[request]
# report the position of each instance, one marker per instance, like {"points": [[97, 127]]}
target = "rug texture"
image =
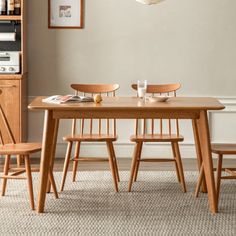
{"points": [[89, 206]]}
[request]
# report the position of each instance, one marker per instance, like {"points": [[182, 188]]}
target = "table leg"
{"points": [[198, 152], [47, 150], [204, 135], [53, 151]]}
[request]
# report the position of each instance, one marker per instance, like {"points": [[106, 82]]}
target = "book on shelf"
{"points": [[60, 99]]}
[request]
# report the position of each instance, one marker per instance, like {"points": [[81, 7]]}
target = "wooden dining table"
{"points": [[193, 108]]}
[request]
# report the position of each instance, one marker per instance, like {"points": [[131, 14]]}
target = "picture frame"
{"points": [[65, 14]]}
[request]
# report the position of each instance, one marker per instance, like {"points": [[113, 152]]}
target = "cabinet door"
{"points": [[10, 101]]}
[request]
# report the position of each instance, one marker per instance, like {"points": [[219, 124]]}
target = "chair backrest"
{"points": [[158, 126], [95, 126], [5, 129]]}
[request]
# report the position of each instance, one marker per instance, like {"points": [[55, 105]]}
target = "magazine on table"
{"points": [[60, 99]]}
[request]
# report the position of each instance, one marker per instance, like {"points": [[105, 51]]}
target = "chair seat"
{"points": [[223, 148], [156, 138], [91, 137], [20, 148]]}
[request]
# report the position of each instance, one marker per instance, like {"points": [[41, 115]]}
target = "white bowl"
{"points": [[158, 99]]}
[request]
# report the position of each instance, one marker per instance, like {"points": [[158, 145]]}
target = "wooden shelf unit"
{"points": [[13, 87]]}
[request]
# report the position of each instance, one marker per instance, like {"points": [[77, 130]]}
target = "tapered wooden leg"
{"points": [[53, 151], [133, 165], [115, 162], [29, 179], [204, 134], [5, 172], [199, 153], [138, 162], [218, 176], [136, 170], [112, 166], [66, 164], [176, 166], [53, 184], [74, 170], [19, 160], [46, 154], [180, 166], [199, 182], [75, 163]]}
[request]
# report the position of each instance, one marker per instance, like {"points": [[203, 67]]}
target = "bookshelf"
{"points": [[13, 87]]}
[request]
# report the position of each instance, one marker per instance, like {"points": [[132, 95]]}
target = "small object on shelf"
{"points": [[3, 8], [9, 62], [8, 36], [10, 7], [97, 98], [17, 7], [60, 99]]}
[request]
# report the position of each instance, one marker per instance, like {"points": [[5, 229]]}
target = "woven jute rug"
{"points": [[89, 206]]}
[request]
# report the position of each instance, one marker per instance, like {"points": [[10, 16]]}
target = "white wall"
{"points": [[186, 41]]}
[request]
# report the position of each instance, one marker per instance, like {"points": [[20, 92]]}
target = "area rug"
{"points": [[89, 206]]}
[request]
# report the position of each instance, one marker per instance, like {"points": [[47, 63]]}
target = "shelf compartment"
{"points": [[11, 17]]}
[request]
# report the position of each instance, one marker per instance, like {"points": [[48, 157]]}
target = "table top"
{"points": [[132, 103]]}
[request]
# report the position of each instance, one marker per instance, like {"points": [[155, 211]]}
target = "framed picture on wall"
{"points": [[65, 14]]}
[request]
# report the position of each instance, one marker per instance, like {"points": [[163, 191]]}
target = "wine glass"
{"points": [[142, 88]]}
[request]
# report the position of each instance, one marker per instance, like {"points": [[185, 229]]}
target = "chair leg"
{"points": [[176, 167], [53, 184], [218, 176], [29, 179], [112, 166], [133, 165], [19, 160], [5, 172], [66, 164], [74, 170], [180, 166], [138, 162], [115, 162], [75, 163], [199, 182]]}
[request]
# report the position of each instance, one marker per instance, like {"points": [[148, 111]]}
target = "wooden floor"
{"points": [[124, 164]]}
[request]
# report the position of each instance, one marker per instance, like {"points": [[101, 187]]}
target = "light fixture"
{"points": [[149, 2]]}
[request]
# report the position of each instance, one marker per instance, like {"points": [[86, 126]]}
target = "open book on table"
{"points": [[60, 99]]}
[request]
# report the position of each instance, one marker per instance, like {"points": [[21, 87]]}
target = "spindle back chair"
{"points": [[92, 130], [24, 150], [171, 126], [220, 150], [91, 90], [157, 130]]}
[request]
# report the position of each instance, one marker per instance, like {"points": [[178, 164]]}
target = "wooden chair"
{"points": [[220, 150], [22, 150], [92, 130], [152, 135]]}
